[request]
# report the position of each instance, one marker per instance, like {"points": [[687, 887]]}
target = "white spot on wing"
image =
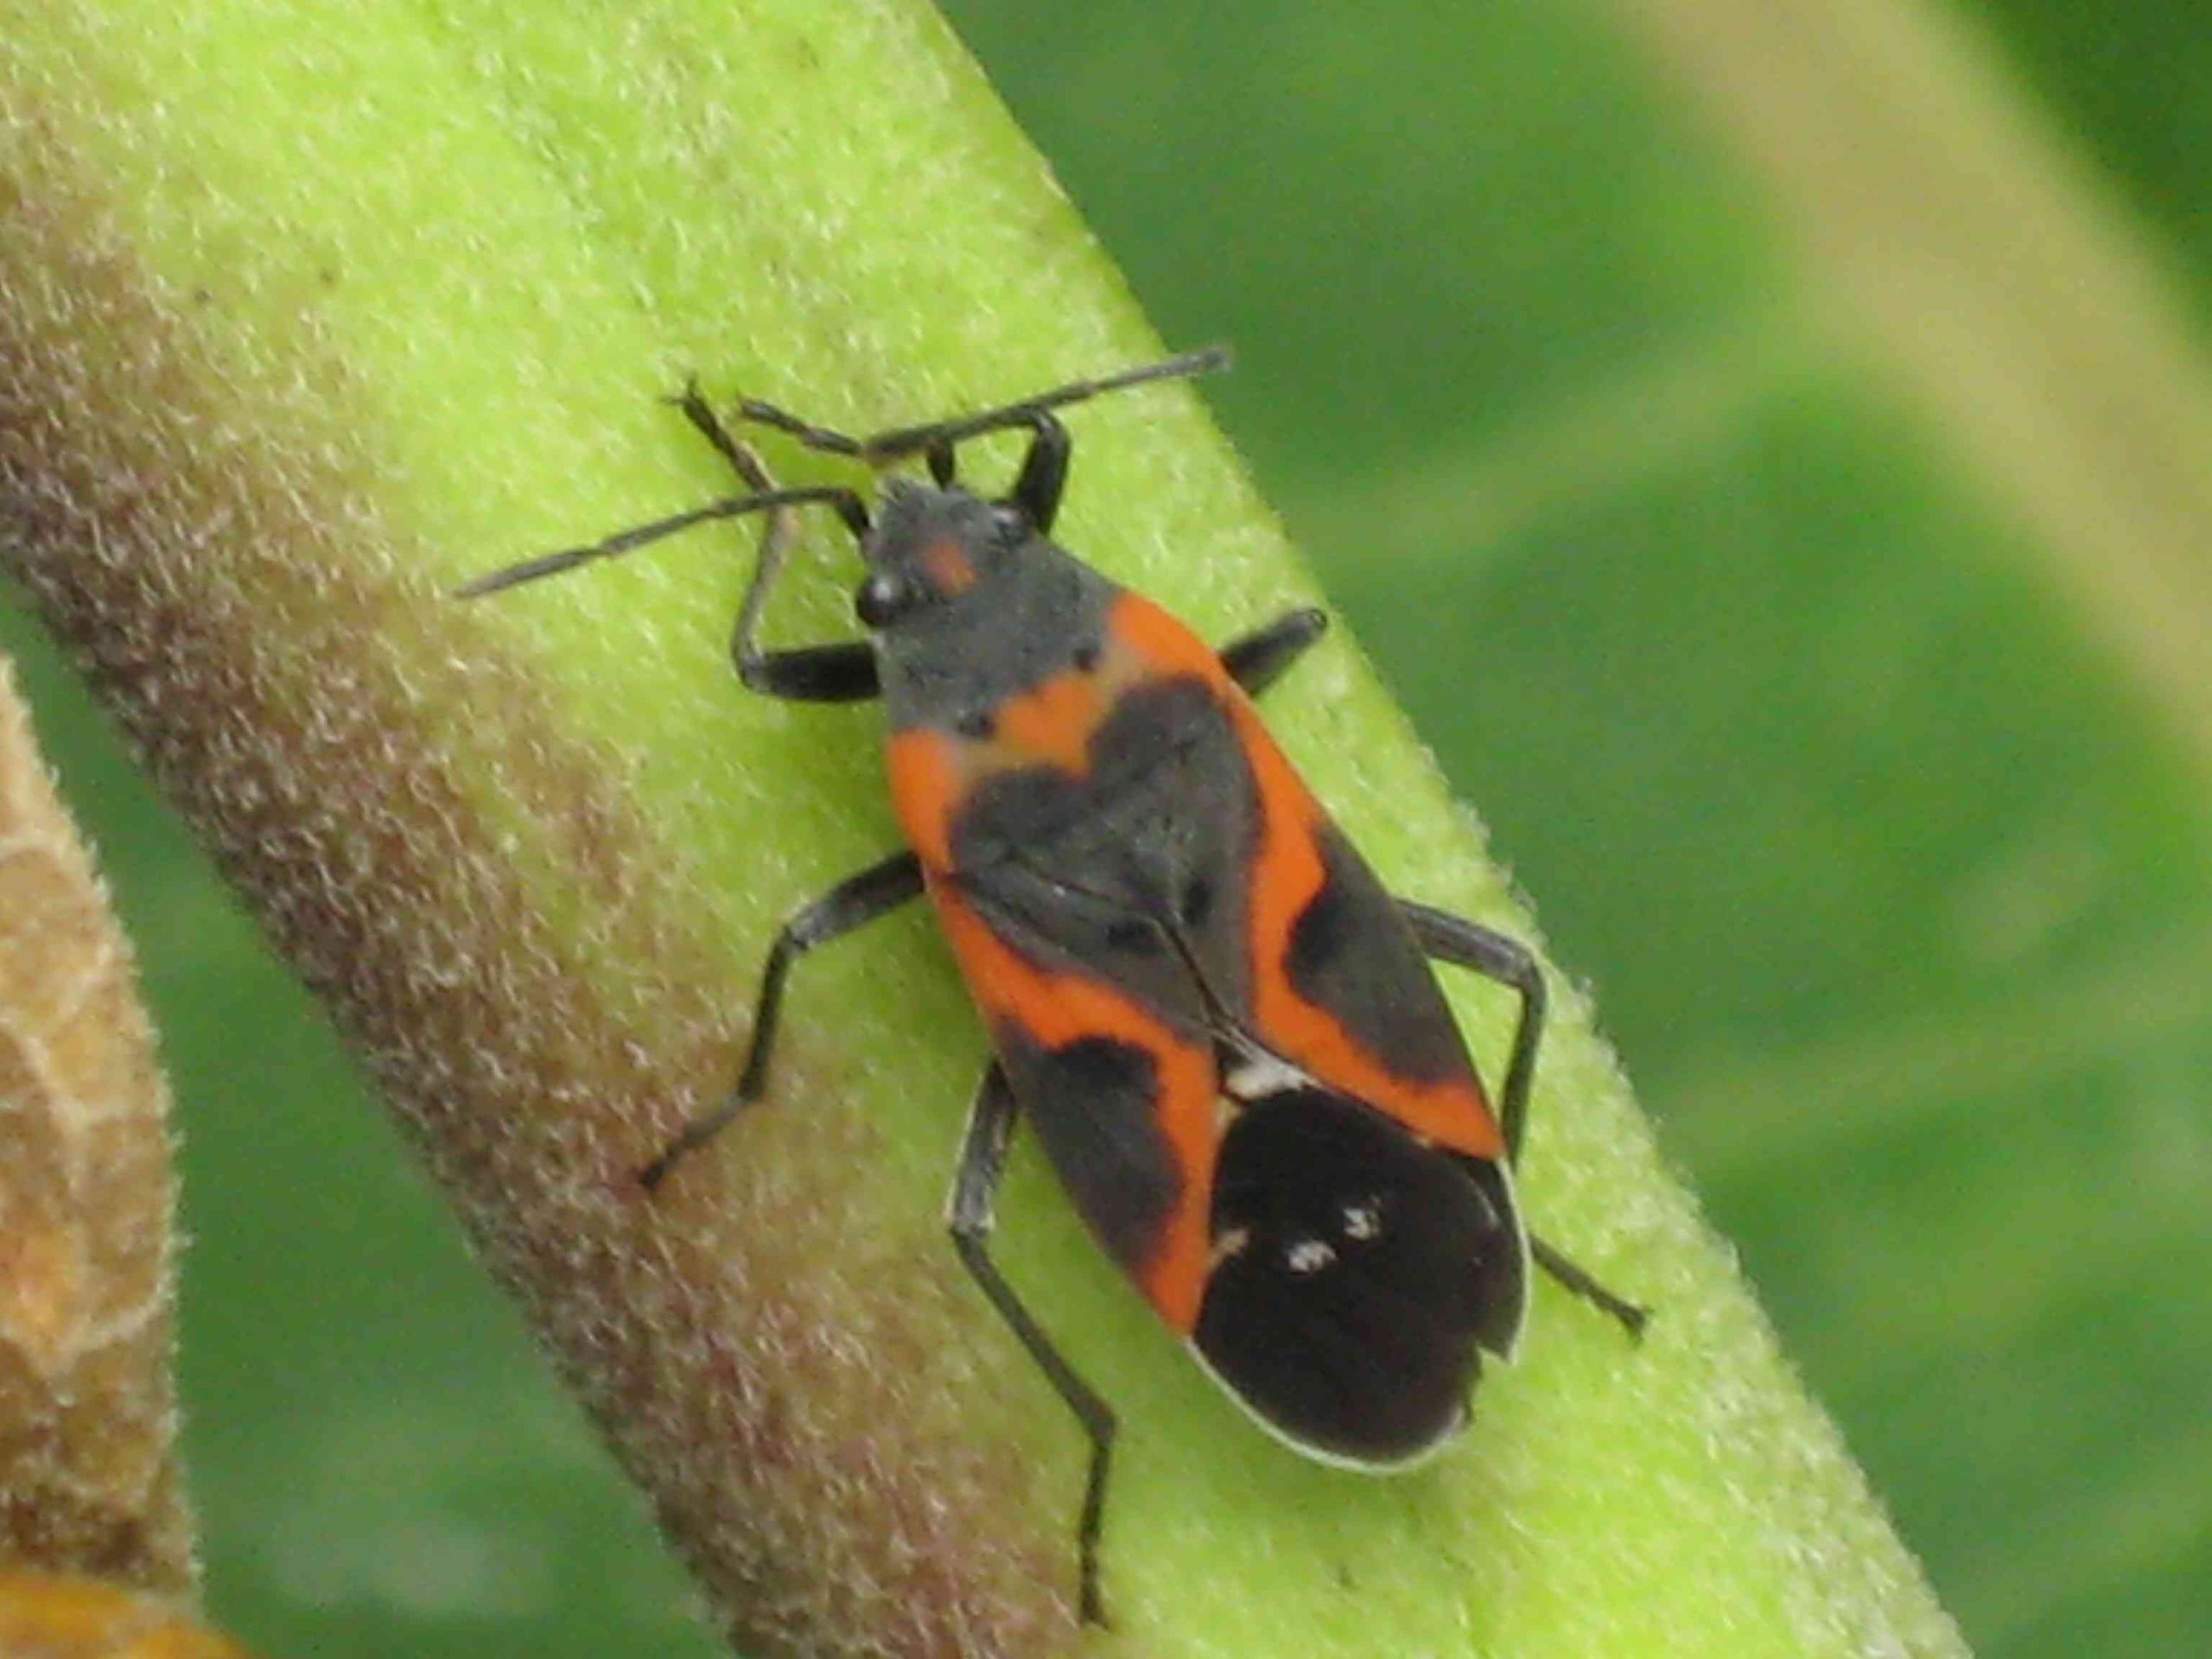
{"points": [[1260, 1073], [1229, 1245], [1308, 1255], [1364, 1220]]}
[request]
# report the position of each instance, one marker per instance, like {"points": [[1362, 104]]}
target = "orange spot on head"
{"points": [[947, 565]]}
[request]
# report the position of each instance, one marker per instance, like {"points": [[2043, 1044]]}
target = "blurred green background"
{"points": [[1888, 857]]}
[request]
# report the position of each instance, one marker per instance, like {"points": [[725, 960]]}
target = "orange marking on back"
{"points": [[927, 783], [1158, 643], [1054, 1010], [1052, 723], [1286, 874]]}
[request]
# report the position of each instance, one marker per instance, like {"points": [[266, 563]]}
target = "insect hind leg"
{"points": [[983, 1161], [1469, 945], [1571, 1276], [1509, 963]]}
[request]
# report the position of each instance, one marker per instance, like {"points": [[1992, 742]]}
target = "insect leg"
{"points": [[830, 441], [827, 439], [1466, 944], [1570, 1276], [1037, 488], [982, 1158], [844, 672], [1256, 660], [858, 899], [1043, 474], [914, 439]]}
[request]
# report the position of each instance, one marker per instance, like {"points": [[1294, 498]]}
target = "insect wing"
{"points": [[1122, 1094]]}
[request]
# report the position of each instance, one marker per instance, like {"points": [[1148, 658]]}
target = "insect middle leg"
{"points": [[983, 1161], [1467, 944], [874, 893], [1256, 660]]}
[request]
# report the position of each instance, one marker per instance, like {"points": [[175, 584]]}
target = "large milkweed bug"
{"points": [[1223, 1027]]}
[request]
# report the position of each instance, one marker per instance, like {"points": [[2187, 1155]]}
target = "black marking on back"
{"points": [[1091, 1103], [1195, 903], [1358, 1271], [1351, 953], [1134, 872]]}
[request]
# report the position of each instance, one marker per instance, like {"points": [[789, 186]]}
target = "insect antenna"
{"points": [[847, 503], [912, 439], [938, 437]]}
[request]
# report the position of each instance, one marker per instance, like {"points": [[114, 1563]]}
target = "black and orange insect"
{"points": [[1222, 1027]]}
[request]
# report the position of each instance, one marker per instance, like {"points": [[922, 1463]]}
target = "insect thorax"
{"points": [[1016, 615]]}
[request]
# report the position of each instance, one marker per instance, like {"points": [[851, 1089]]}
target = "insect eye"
{"points": [[1009, 523], [882, 600]]}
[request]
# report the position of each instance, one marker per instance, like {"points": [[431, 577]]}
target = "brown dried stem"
{"points": [[89, 1474]]}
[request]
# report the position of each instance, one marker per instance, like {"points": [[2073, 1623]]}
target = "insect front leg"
{"points": [[875, 892], [1044, 473], [1467, 944], [844, 672], [983, 1161]]}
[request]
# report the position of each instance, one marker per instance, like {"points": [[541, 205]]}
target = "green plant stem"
{"points": [[307, 314]]}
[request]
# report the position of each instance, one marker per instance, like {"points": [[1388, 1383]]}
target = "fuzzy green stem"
{"points": [[307, 315]]}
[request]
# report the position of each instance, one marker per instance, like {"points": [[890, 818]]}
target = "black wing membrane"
{"points": [[1357, 1272]]}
